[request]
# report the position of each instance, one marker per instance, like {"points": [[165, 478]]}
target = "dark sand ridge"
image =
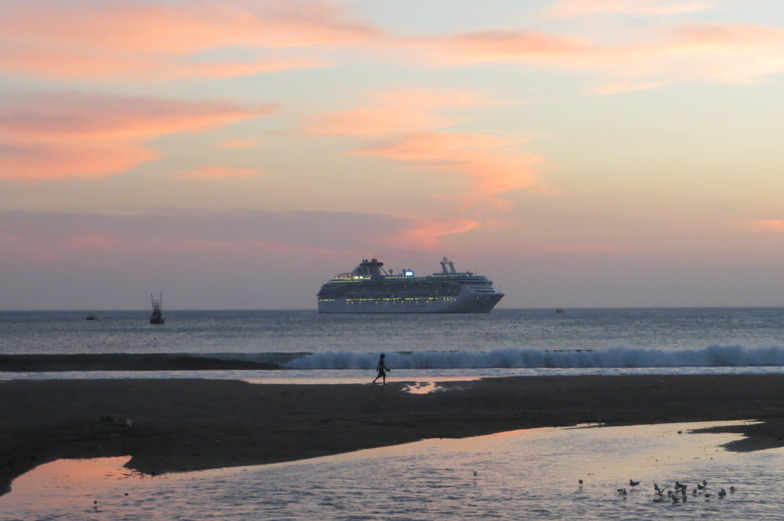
{"points": [[180, 425]]}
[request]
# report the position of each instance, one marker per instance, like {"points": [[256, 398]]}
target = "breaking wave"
{"points": [[713, 356], [511, 358]]}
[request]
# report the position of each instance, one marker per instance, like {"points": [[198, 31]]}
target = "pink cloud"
{"points": [[45, 160], [425, 233], [69, 134], [124, 38], [396, 111], [408, 121], [730, 53], [633, 7], [89, 242], [655, 55], [501, 45], [411, 127]]}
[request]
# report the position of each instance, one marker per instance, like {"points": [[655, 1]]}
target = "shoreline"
{"points": [[185, 425]]}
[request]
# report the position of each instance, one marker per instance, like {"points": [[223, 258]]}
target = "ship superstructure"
{"points": [[371, 289], [157, 310]]}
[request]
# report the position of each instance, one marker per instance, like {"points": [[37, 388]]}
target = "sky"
{"points": [[236, 154]]}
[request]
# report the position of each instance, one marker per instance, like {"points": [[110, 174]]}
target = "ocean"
{"points": [[303, 344], [530, 474]]}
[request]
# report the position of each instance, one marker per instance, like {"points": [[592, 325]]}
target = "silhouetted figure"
{"points": [[382, 370]]}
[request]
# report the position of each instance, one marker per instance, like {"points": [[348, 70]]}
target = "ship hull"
{"points": [[460, 304]]}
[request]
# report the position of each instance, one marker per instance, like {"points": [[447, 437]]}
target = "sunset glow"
{"points": [[249, 150]]}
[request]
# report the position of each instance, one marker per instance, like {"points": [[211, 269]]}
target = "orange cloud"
{"points": [[492, 165], [766, 226], [109, 38], [69, 134]]}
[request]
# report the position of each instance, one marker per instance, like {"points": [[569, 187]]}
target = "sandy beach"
{"points": [[183, 425]]}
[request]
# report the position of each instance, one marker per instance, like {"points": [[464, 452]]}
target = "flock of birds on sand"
{"points": [[678, 492]]}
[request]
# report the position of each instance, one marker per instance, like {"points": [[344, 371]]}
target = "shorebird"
{"points": [[722, 493], [633, 483]]}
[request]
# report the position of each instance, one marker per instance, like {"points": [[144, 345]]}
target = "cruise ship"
{"points": [[371, 289]]}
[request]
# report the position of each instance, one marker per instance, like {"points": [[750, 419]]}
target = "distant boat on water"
{"points": [[157, 313], [91, 317]]}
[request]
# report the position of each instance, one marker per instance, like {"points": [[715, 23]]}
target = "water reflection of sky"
{"points": [[531, 474]]}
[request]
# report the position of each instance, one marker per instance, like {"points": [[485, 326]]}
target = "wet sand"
{"points": [[182, 425]]}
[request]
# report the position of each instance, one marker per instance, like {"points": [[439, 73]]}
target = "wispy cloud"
{"points": [[49, 236], [647, 55], [106, 39], [426, 233], [503, 45], [492, 166], [629, 7], [399, 111], [765, 226], [412, 127], [70, 134]]}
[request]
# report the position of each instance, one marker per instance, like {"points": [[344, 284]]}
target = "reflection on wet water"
{"points": [[422, 388], [533, 474]]}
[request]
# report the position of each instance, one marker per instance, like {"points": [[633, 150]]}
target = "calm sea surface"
{"points": [[309, 345]]}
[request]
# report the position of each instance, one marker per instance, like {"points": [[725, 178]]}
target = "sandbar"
{"points": [[174, 425]]}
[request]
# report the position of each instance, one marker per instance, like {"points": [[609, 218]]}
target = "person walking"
{"points": [[382, 370]]}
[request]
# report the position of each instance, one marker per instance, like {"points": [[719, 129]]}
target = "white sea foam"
{"points": [[621, 357]]}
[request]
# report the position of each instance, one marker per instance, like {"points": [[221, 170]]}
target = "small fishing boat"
{"points": [[157, 314]]}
